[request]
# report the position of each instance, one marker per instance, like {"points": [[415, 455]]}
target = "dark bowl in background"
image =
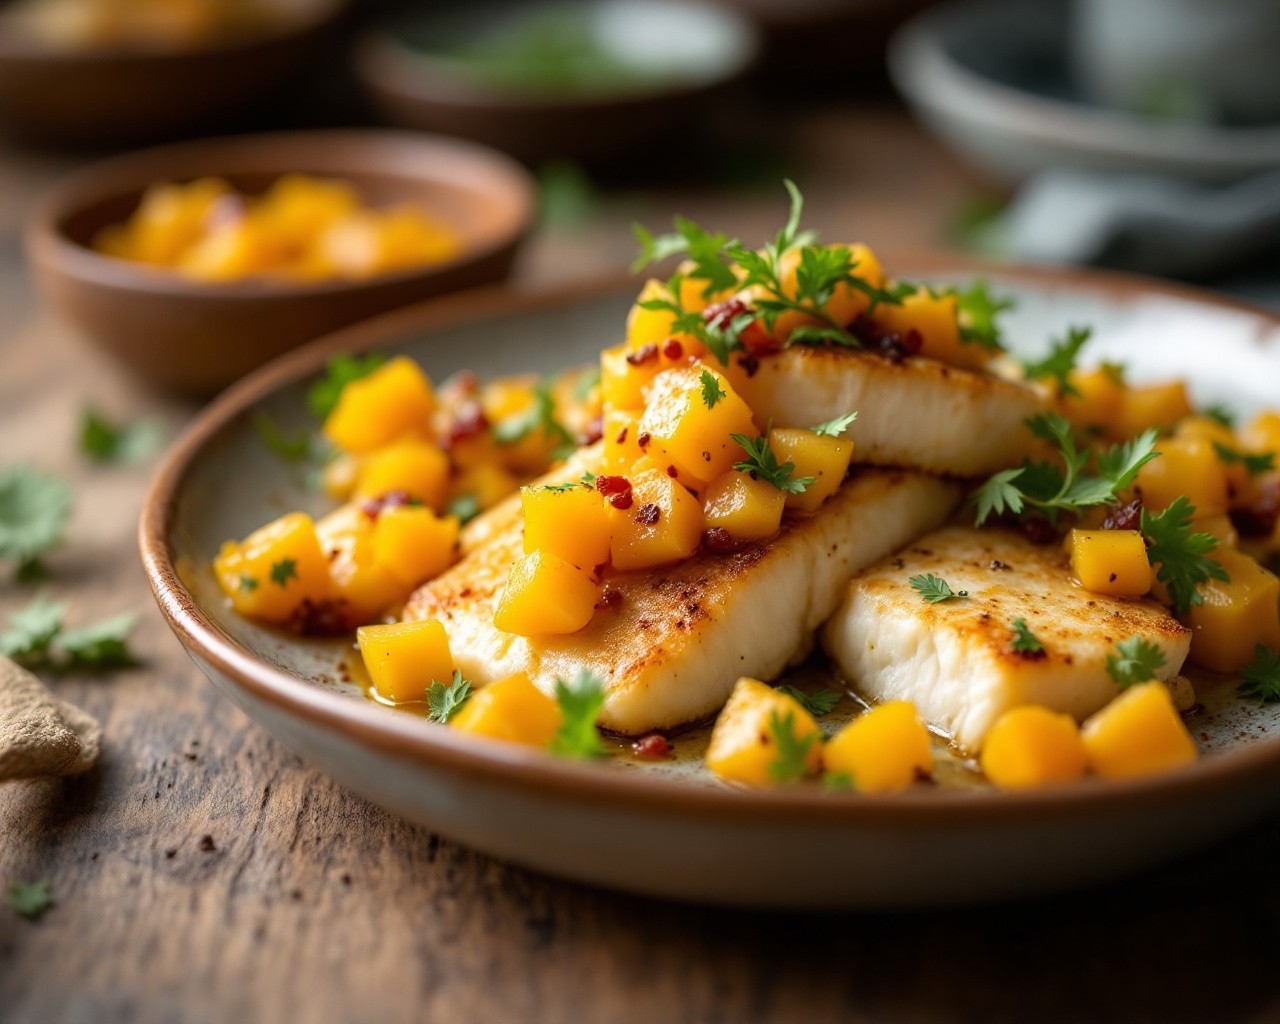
{"points": [[416, 88], [194, 338]]}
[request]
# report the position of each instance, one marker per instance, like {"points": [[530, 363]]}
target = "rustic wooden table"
{"points": [[314, 905]]}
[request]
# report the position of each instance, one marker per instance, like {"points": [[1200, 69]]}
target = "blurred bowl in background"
{"points": [[578, 80], [130, 92], [193, 338], [993, 79]]}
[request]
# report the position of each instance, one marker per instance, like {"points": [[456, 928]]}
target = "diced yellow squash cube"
{"points": [[688, 433], [748, 509], [416, 467], [487, 483], [663, 523], [1031, 746], [1236, 615], [1154, 405], [743, 747], [546, 595], [935, 318], [1097, 402], [403, 659], [1187, 466], [623, 384], [813, 455], [394, 400], [511, 709], [363, 585], [1209, 431], [1220, 527], [414, 543], [882, 750], [622, 448], [656, 326], [1138, 733], [270, 573], [572, 524], [1110, 561], [1262, 433]]}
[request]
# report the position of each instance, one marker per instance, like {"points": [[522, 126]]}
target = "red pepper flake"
{"points": [[648, 514], [468, 422], [622, 436], [1127, 517], [653, 747], [719, 541], [373, 507], [750, 364], [609, 599], [672, 349], [594, 431], [464, 382], [616, 490], [642, 355], [1258, 519], [753, 337], [672, 472], [642, 438]]}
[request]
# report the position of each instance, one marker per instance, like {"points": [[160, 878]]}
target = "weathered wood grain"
{"points": [[307, 903]]}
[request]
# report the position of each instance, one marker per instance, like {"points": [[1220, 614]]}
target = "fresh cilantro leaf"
{"points": [[104, 441], [1256, 465], [585, 385], [247, 583], [1060, 361], [1180, 554], [818, 334], [976, 311], [1000, 494], [445, 700], [32, 629], [588, 478], [1261, 678], [561, 488], [30, 899], [654, 248], [99, 645], [817, 704], [465, 506], [1136, 660], [934, 589], [1119, 464], [791, 762], [705, 251], [290, 447], [580, 702], [283, 571], [1025, 641], [34, 508], [1220, 413], [835, 427], [837, 782], [341, 370], [762, 464], [541, 415], [1117, 372], [720, 338], [712, 392]]}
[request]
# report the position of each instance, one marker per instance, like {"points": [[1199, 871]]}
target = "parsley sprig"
{"points": [[541, 415], [1024, 641], [712, 392], [835, 427], [580, 701], [34, 509], [823, 702], [1261, 678], [102, 440], [1135, 661], [762, 464], [934, 589], [1254, 464], [340, 371], [444, 700], [37, 638], [1052, 489], [1180, 553], [30, 899], [1061, 361], [791, 762]]}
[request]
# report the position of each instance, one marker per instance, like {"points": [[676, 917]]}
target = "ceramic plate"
{"points": [[670, 829]]}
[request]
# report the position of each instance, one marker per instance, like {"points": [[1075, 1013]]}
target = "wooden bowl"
{"points": [[415, 88], [128, 96], [194, 338]]}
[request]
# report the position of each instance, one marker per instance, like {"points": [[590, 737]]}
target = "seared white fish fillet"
{"points": [[918, 413], [955, 661], [679, 637]]}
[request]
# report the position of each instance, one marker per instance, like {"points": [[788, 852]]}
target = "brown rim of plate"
{"points": [[231, 154], [408, 737]]}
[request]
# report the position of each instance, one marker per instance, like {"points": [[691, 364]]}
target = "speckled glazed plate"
{"points": [[669, 829]]}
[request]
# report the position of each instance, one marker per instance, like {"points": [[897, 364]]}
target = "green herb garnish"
{"points": [[762, 464], [30, 899], [34, 509], [1261, 678], [580, 702], [1180, 553], [817, 704], [835, 427], [445, 700], [1025, 641], [340, 371], [104, 441], [283, 571], [465, 506], [934, 589], [1136, 660], [1255, 465], [36, 637], [712, 392], [1059, 364], [791, 763]]}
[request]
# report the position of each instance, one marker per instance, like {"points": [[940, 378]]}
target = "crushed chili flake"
{"points": [[616, 489], [326, 617], [1259, 517], [642, 355], [1127, 517], [622, 436], [672, 349], [894, 346], [469, 421], [594, 431], [672, 472], [654, 746], [642, 438], [648, 513], [609, 599], [719, 541], [753, 337], [373, 507]]}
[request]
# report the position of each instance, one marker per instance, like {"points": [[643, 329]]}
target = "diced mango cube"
{"points": [[416, 467], [1187, 466], [1098, 399], [571, 523], [813, 455], [1262, 433], [1236, 614], [687, 431], [663, 523], [1110, 561], [655, 326], [1138, 733], [743, 747], [511, 709], [882, 750], [414, 543], [623, 384], [846, 300], [1154, 405], [546, 595], [404, 658], [934, 318], [622, 448], [394, 400], [1031, 746], [236, 249], [486, 483], [748, 509], [275, 569], [364, 585]]}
